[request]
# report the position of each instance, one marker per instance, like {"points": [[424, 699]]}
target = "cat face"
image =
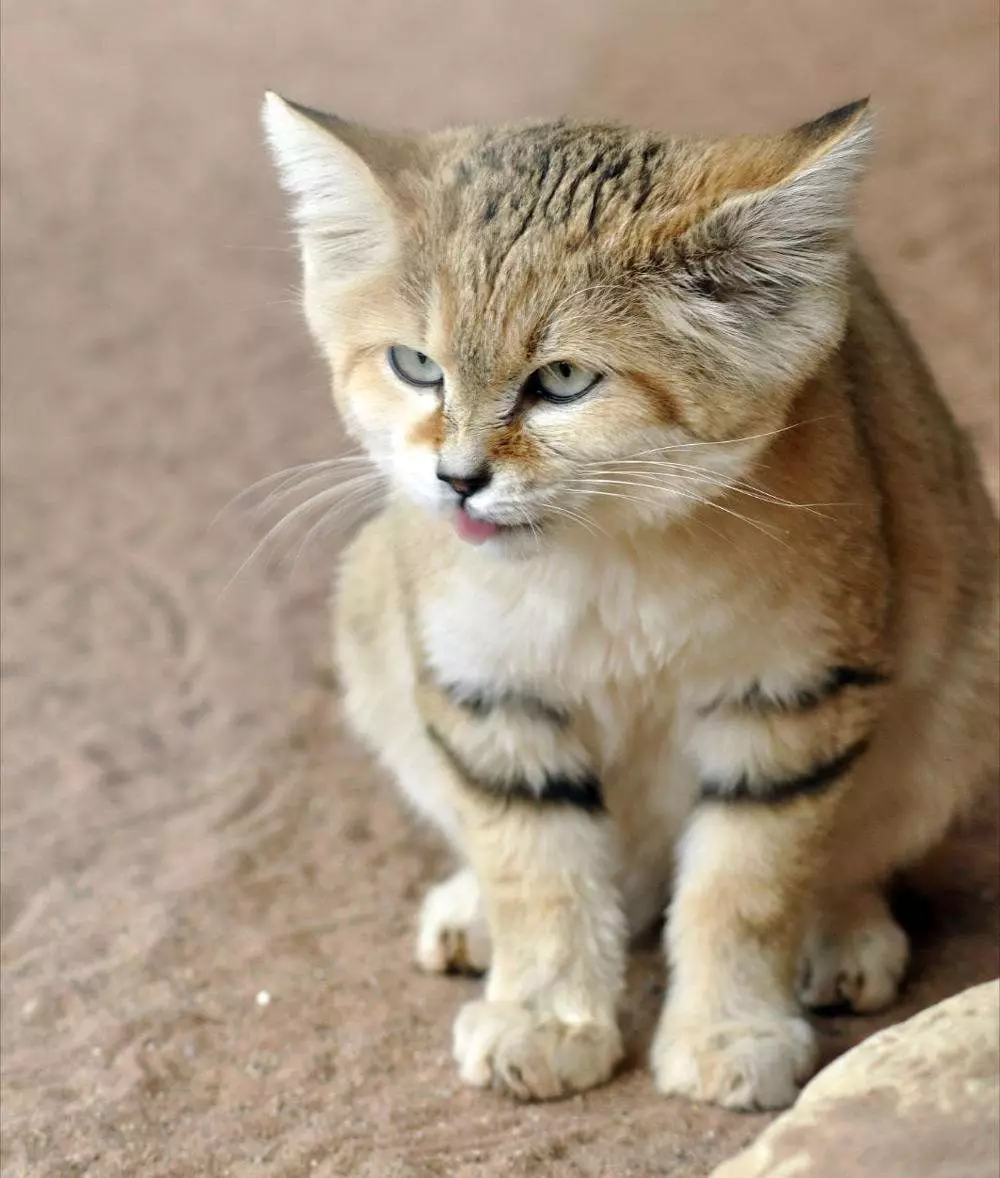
{"points": [[549, 328]]}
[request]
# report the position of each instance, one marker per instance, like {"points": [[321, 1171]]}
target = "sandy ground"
{"points": [[184, 824]]}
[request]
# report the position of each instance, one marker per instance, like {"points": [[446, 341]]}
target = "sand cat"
{"points": [[684, 596]]}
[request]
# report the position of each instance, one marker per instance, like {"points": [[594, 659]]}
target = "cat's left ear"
{"points": [[340, 177], [760, 280], [776, 238]]}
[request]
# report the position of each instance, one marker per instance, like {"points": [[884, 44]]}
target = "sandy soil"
{"points": [[184, 824]]}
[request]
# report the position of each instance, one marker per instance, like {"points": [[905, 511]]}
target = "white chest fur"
{"points": [[571, 625], [609, 637]]}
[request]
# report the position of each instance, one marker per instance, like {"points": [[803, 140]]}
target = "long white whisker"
{"points": [[288, 474], [773, 433], [713, 479], [591, 525], [630, 479], [700, 500], [297, 486], [310, 504], [282, 476], [526, 515], [578, 518], [362, 499], [652, 502], [354, 495]]}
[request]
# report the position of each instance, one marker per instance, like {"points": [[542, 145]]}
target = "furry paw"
{"points": [[452, 936], [740, 1064], [857, 960], [529, 1055]]}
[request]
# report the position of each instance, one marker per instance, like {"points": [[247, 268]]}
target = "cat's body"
{"points": [[759, 625]]}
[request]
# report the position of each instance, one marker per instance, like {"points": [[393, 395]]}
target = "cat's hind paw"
{"points": [[855, 957], [452, 935]]}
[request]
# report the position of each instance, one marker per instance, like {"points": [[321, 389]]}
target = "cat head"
{"points": [[550, 325]]}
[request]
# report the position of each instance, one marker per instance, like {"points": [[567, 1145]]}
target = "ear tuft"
{"points": [[836, 122], [837, 146]]}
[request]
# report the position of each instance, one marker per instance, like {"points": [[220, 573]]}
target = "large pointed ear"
{"points": [[339, 178], [763, 244], [766, 267]]}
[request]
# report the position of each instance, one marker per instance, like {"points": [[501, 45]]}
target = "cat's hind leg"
{"points": [[452, 935], [854, 954]]}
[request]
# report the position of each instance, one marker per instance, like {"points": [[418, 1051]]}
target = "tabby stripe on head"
{"points": [[570, 197], [610, 172], [784, 789], [581, 792], [833, 682], [650, 155], [563, 167]]}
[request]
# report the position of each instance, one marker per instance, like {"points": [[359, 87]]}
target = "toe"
{"points": [[530, 1056], [757, 1064]]}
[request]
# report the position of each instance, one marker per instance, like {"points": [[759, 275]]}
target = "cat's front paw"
{"points": [[530, 1055], [740, 1064], [452, 936]]}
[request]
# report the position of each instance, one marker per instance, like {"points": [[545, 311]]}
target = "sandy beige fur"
{"points": [[736, 642]]}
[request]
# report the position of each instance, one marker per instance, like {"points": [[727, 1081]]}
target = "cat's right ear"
{"points": [[343, 210]]}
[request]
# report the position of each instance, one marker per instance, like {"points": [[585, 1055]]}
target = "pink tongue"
{"points": [[473, 531]]}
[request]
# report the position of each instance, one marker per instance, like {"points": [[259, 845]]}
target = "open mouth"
{"points": [[478, 531]]}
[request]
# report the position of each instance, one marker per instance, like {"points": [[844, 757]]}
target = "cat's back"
{"points": [[938, 521], [921, 453]]}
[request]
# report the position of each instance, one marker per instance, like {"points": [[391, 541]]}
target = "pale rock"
{"points": [[917, 1100]]}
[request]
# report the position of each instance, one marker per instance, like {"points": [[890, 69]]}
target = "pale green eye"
{"points": [[415, 368], [563, 381]]}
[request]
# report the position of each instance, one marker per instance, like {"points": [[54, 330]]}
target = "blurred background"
{"points": [[207, 891]]}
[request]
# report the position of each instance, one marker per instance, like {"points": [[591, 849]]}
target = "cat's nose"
{"points": [[465, 485]]}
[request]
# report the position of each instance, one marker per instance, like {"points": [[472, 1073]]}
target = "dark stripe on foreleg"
{"points": [[836, 680], [579, 791], [784, 789], [800, 699], [482, 702]]}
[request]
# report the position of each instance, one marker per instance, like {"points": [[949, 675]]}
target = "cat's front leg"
{"points": [[731, 1031], [536, 834], [774, 775]]}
